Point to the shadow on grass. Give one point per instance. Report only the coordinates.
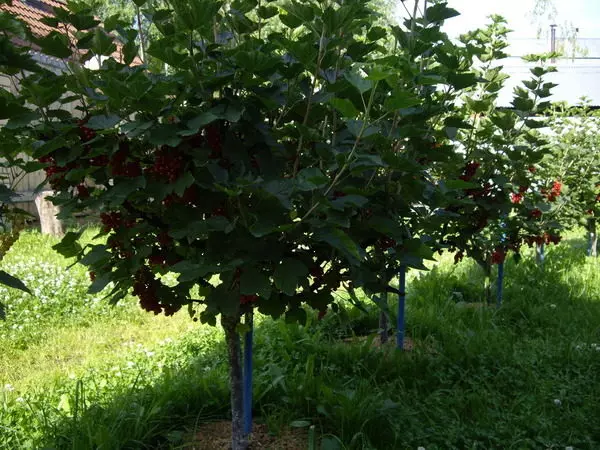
(523, 376)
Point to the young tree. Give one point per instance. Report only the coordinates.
(265, 168)
(573, 165)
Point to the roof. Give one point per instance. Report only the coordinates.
(33, 11)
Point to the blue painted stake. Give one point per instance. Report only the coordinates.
(248, 375)
(401, 308)
(500, 282)
(542, 254)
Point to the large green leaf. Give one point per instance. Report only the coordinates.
(288, 274)
(13, 282)
(253, 281)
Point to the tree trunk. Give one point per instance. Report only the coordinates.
(383, 319)
(238, 440)
(592, 237)
(47, 211)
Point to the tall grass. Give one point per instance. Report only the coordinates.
(522, 376)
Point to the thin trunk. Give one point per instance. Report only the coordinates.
(593, 238)
(383, 319)
(238, 440)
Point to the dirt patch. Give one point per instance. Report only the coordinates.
(217, 436)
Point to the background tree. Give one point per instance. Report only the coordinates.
(573, 163)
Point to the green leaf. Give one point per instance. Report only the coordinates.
(13, 282)
(342, 242)
(99, 283)
(55, 44)
(102, 43)
(311, 178)
(123, 189)
(356, 80)
(165, 134)
(440, 12)
(460, 184)
(349, 201)
(462, 80)
(103, 122)
(253, 281)
(6, 194)
(401, 100)
(345, 106)
(287, 275)
(182, 183)
(68, 246)
(266, 12)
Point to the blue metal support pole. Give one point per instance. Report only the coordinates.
(400, 325)
(500, 282)
(248, 374)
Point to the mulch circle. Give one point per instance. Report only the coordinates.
(217, 436)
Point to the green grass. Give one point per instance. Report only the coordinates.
(83, 375)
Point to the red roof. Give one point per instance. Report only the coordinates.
(32, 11)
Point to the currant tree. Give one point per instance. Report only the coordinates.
(269, 166)
(491, 203)
(573, 163)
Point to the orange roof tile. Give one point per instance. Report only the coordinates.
(32, 11)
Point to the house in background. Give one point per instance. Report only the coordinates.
(33, 12)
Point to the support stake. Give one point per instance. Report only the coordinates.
(248, 374)
(401, 309)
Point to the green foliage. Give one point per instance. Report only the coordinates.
(573, 162)
(238, 159)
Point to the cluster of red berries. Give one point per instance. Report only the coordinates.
(485, 191)
(54, 174)
(120, 165)
(114, 221)
(214, 141)
(470, 170)
(83, 191)
(516, 198)
(248, 299)
(555, 191)
(86, 134)
(498, 256)
(145, 288)
(458, 257)
(536, 213)
(167, 165)
(386, 243)
(99, 161)
(164, 239)
(546, 238)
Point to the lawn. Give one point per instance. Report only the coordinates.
(76, 373)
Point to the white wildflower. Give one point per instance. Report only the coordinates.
(9, 387)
